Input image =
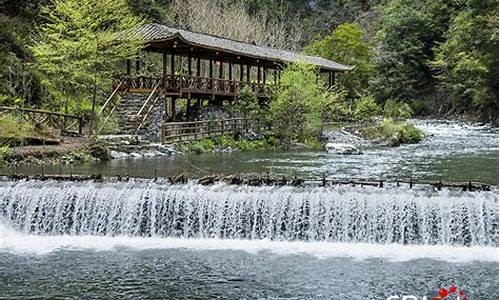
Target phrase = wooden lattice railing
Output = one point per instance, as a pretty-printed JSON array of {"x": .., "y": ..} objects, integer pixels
[
  {"x": 66, "y": 123},
  {"x": 183, "y": 83},
  {"x": 180, "y": 131}
]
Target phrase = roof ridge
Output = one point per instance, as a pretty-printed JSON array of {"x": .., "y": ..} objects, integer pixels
[{"x": 157, "y": 32}]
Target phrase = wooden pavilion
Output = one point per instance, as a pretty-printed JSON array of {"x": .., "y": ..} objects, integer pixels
[{"x": 197, "y": 67}]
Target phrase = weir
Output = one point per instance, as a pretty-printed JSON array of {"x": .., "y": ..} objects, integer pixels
[{"x": 334, "y": 214}]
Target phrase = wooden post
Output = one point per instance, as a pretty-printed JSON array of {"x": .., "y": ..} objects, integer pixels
[
  {"x": 230, "y": 71},
  {"x": 221, "y": 69},
  {"x": 198, "y": 107},
  {"x": 263, "y": 75},
  {"x": 211, "y": 68},
  {"x": 241, "y": 72},
  {"x": 188, "y": 107},
  {"x": 248, "y": 73},
  {"x": 128, "y": 66},
  {"x": 333, "y": 78},
  {"x": 172, "y": 64},
  {"x": 190, "y": 71},
  {"x": 164, "y": 69},
  {"x": 162, "y": 133},
  {"x": 172, "y": 108},
  {"x": 198, "y": 67}
]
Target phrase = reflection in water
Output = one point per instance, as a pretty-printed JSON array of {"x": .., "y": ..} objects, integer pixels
[{"x": 451, "y": 151}]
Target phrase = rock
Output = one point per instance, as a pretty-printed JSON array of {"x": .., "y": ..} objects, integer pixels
[
  {"x": 135, "y": 155},
  {"x": 393, "y": 141},
  {"x": 158, "y": 153},
  {"x": 165, "y": 149},
  {"x": 148, "y": 154},
  {"x": 206, "y": 180},
  {"x": 341, "y": 148},
  {"x": 117, "y": 155}
]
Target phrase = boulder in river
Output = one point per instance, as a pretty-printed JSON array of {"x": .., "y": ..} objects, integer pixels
[{"x": 341, "y": 148}]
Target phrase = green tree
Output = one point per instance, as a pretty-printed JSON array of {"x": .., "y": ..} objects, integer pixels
[
  {"x": 297, "y": 105},
  {"x": 79, "y": 47},
  {"x": 404, "y": 43},
  {"x": 247, "y": 103},
  {"x": 346, "y": 45},
  {"x": 467, "y": 62}
]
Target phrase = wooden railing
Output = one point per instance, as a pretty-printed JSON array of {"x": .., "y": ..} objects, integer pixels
[
  {"x": 112, "y": 102},
  {"x": 147, "y": 107},
  {"x": 181, "y": 131},
  {"x": 186, "y": 84},
  {"x": 66, "y": 123}
]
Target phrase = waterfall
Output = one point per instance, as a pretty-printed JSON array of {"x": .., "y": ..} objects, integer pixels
[{"x": 332, "y": 214}]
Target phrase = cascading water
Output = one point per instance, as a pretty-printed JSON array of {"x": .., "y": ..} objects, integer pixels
[{"x": 336, "y": 214}]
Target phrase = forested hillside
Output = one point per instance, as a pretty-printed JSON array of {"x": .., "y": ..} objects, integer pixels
[{"x": 440, "y": 57}]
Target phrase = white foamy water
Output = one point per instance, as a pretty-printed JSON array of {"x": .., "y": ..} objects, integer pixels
[
  {"x": 19, "y": 243},
  {"x": 145, "y": 208}
]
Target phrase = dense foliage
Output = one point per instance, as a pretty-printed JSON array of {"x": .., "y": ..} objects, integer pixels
[
  {"x": 297, "y": 106},
  {"x": 435, "y": 56},
  {"x": 78, "y": 49}
]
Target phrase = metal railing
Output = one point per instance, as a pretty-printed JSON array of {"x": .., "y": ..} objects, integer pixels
[{"x": 182, "y": 131}]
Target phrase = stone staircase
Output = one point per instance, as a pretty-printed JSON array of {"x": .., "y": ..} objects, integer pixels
[{"x": 127, "y": 108}]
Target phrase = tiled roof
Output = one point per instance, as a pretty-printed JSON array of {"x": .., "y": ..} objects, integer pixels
[{"x": 157, "y": 32}]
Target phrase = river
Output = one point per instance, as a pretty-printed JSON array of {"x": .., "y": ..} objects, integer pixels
[
  {"x": 146, "y": 239},
  {"x": 451, "y": 151}
]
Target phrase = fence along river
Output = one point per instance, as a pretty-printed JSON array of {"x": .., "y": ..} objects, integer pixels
[{"x": 144, "y": 208}]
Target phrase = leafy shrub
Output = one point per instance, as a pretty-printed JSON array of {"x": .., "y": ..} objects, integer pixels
[
  {"x": 401, "y": 110},
  {"x": 298, "y": 101},
  {"x": 226, "y": 141},
  {"x": 247, "y": 103},
  {"x": 4, "y": 153},
  {"x": 99, "y": 150},
  {"x": 77, "y": 157},
  {"x": 335, "y": 106},
  {"x": 198, "y": 147},
  {"x": 366, "y": 108},
  {"x": 13, "y": 126},
  {"x": 405, "y": 132},
  {"x": 313, "y": 143}
]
